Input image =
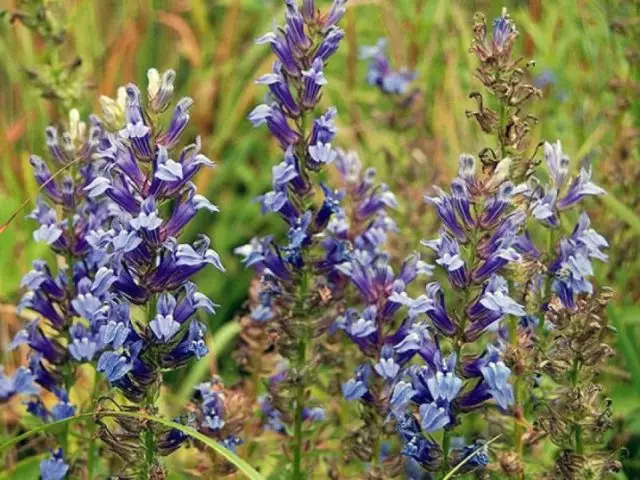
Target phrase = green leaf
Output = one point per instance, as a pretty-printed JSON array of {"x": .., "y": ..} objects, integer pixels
[
  {"x": 626, "y": 340},
  {"x": 228, "y": 455},
  {"x": 623, "y": 212},
  {"x": 27, "y": 468}
]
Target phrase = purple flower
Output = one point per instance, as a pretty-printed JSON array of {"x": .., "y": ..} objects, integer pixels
[
  {"x": 160, "y": 89},
  {"x": 415, "y": 445},
  {"x": 330, "y": 43},
  {"x": 322, "y": 154},
  {"x": 579, "y": 188},
  {"x": 179, "y": 121},
  {"x": 314, "y": 80},
  {"x": 33, "y": 336},
  {"x": 446, "y": 211},
  {"x": 280, "y": 90},
  {"x": 557, "y": 163},
  {"x": 337, "y": 11},
  {"x": 354, "y": 390},
  {"x": 282, "y": 49},
  {"x": 503, "y": 29},
  {"x": 379, "y": 72},
  {"x": 44, "y": 179}
]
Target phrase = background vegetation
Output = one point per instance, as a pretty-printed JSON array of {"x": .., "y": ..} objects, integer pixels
[{"x": 586, "y": 63}]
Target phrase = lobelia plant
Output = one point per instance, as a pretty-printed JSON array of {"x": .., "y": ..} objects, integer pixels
[
  {"x": 508, "y": 311},
  {"x": 294, "y": 277},
  {"x": 384, "y": 345},
  {"x": 148, "y": 325},
  {"x": 62, "y": 291},
  {"x": 121, "y": 300}
]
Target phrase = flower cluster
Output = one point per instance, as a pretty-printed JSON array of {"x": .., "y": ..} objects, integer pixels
[
  {"x": 503, "y": 75},
  {"x": 294, "y": 275},
  {"x": 380, "y": 73},
  {"x": 149, "y": 323},
  {"x": 122, "y": 300},
  {"x": 58, "y": 294},
  {"x": 219, "y": 413},
  {"x": 478, "y": 241},
  {"x": 360, "y": 231},
  {"x": 493, "y": 282},
  {"x": 151, "y": 268}
]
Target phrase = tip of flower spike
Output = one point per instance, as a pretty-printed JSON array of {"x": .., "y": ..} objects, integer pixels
[{"x": 153, "y": 82}]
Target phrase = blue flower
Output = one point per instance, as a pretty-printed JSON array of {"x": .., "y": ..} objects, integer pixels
[
  {"x": 21, "y": 383},
  {"x": 496, "y": 375},
  {"x": 557, "y": 163},
  {"x": 503, "y": 29},
  {"x": 416, "y": 446},
  {"x": 63, "y": 409},
  {"x": 387, "y": 366},
  {"x": 212, "y": 406},
  {"x": 436, "y": 387},
  {"x": 279, "y": 88},
  {"x": 401, "y": 396},
  {"x": 354, "y": 389},
  {"x": 337, "y": 11},
  {"x": 446, "y": 211},
  {"x": 314, "y": 80},
  {"x": 579, "y": 188},
  {"x": 164, "y": 326},
  {"x": 322, "y": 153},
  {"x": 114, "y": 366},
  {"x": 33, "y": 336},
  {"x": 54, "y": 468},
  {"x": 379, "y": 72},
  {"x": 449, "y": 256},
  {"x": 315, "y": 414},
  {"x": 494, "y": 380},
  {"x": 83, "y": 345}
]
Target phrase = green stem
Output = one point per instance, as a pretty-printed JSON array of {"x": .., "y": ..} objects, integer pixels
[
  {"x": 92, "y": 429},
  {"x": 446, "y": 445},
  {"x": 300, "y": 315},
  {"x": 148, "y": 436},
  {"x": 150, "y": 452},
  {"x": 577, "y": 428},
  {"x": 501, "y": 133},
  {"x": 300, "y": 360},
  {"x": 517, "y": 389},
  {"x": 298, "y": 433}
]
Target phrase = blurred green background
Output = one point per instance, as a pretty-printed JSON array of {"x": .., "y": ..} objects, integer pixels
[{"x": 586, "y": 55}]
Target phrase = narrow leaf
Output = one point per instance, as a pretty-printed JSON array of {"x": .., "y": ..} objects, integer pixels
[
  {"x": 228, "y": 455},
  {"x": 455, "y": 469}
]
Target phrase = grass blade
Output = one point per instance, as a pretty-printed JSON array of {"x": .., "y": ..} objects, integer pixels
[
  {"x": 623, "y": 212},
  {"x": 455, "y": 469},
  {"x": 228, "y": 455}
]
